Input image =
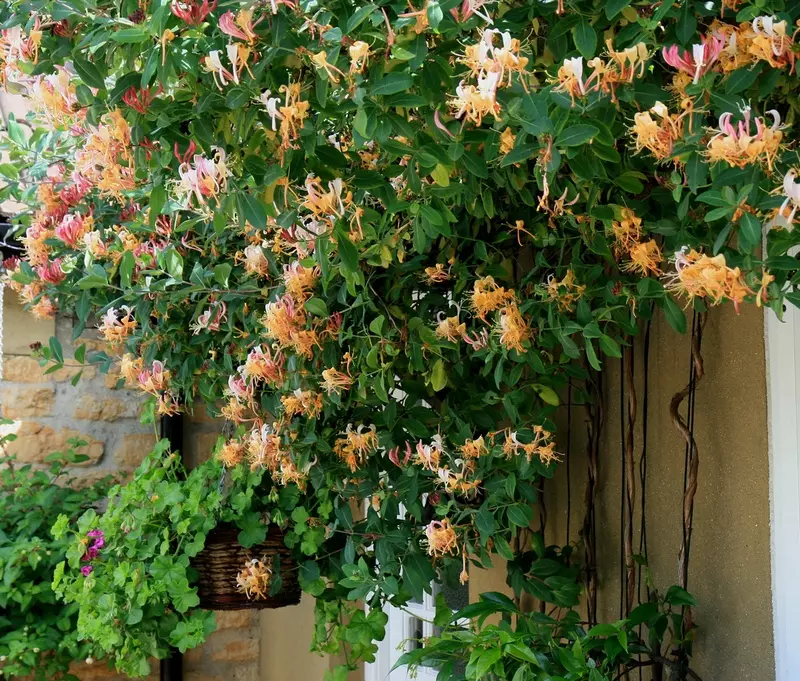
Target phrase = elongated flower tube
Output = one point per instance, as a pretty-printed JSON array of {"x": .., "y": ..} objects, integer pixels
[{"x": 700, "y": 60}]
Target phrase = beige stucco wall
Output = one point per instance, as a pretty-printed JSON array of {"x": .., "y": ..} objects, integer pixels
[{"x": 730, "y": 558}]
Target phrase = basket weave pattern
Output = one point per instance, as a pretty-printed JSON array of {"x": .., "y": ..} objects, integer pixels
[{"x": 223, "y": 558}]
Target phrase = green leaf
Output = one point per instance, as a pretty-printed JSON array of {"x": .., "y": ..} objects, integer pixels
[
  {"x": 358, "y": 17},
  {"x": 518, "y": 154},
  {"x": 696, "y": 171},
  {"x": 158, "y": 197},
  {"x": 687, "y": 24},
  {"x": 614, "y": 7},
  {"x": 438, "y": 376},
  {"x": 56, "y": 351},
  {"x": 678, "y": 596},
  {"x": 89, "y": 73},
  {"x": 131, "y": 35},
  {"x": 435, "y": 14},
  {"x": 391, "y": 84},
  {"x": 348, "y": 253},
  {"x": 484, "y": 522},
  {"x": 221, "y": 273},
  {"x": 741, "y": 79},
  {"x": 126, "y": 267},
  {"x": 253, "y": 210},
  {"x": 585, "y": 38},
  {"x": 750, "y": 231},
  {"x": 317, "y": 307},
  {"x": 576, "y": 135},
  {"x": 675, "y": 316},
  {"x": 609, "y": 346},
  {"x": 547, "y": 394},
  {"x": 520, "y": 515}
]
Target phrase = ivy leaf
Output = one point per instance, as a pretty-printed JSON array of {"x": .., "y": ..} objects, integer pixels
[{"x": 253, "y": 530}]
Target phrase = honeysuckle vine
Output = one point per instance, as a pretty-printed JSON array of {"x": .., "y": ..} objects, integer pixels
[{"x": 380, "y": 239}]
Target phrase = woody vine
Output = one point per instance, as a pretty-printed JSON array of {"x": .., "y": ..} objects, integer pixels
[{"x": 381, "y": 240}]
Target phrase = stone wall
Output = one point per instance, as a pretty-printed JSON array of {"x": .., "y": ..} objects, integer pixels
[{"x": 47, "y": 410}]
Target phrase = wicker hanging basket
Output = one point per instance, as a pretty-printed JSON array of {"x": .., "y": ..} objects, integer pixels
[{"x": 223, "y": 558}]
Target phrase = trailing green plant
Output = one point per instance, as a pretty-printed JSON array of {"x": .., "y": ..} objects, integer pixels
[
  {"x": 128, "y": 568},
  {"x": 38, "y": 633},
  {"x": 555, "y": 644},
  {"x": 381, "y": 239}
]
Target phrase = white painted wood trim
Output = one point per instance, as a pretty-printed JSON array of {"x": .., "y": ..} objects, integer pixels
[{"x": 783, "y": 403}]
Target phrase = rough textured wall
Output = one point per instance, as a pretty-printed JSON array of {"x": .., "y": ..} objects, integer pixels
[
  {"x": 48, "y": 410},
  {"x": 730, "y": 556}
]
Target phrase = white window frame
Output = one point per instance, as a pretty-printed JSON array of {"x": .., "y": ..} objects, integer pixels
[{"x": 782, "y": 340}]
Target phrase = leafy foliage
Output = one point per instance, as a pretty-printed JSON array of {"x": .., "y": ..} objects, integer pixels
[
  {"x": 381, "y": 239},
  {"x": 37, "y": 632}
]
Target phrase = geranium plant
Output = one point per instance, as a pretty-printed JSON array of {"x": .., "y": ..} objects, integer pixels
[
  {"x": 381, "y": 239},
  {"x": 38, "y": 633}
]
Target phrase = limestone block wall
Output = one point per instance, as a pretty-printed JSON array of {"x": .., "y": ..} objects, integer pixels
[{"x": 47, "y": 410}]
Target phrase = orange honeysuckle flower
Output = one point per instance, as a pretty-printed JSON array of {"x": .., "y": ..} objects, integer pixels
[
  {"x": 300, "y": 281},
  {"x": 771, "y": 43},
  {"x": 658, "y": 135},
  {"x": 474, "y": 449},
  {"x": 302, "y": 402},
  {"x": 359, "y": 56},
  {"x": 254, "y": 579},
  {"x": 239, "y": 25},
  {"x": 512, "y": 328},
  {"x": 264, "y": 448},
  {"x": 762, "y": 296},
  {"x": 231, "y": 454},
  {"x": 262, "y": 365},
  {"x": 320, "y": 61},
  {"x": 710, "y": 278},
  {"x": 204, "y": 178},
  {"x": 441, "y": 538},
  {"x": 475, "y": 102},
  {"x": 564, "y": 292},
  {"x": 507, "y": 141},
  {"x": 645, "y": 259},
  {"x": 627, "y": 232},
  {"x": 487, "y": 296},
  {"x": 118, "y": 324},
  {"x": 356, "y": 445},
  {"x": 740, "y": 145},
  {"x": 335, "y": 381},
  {"x": 450, "y": 328}
]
